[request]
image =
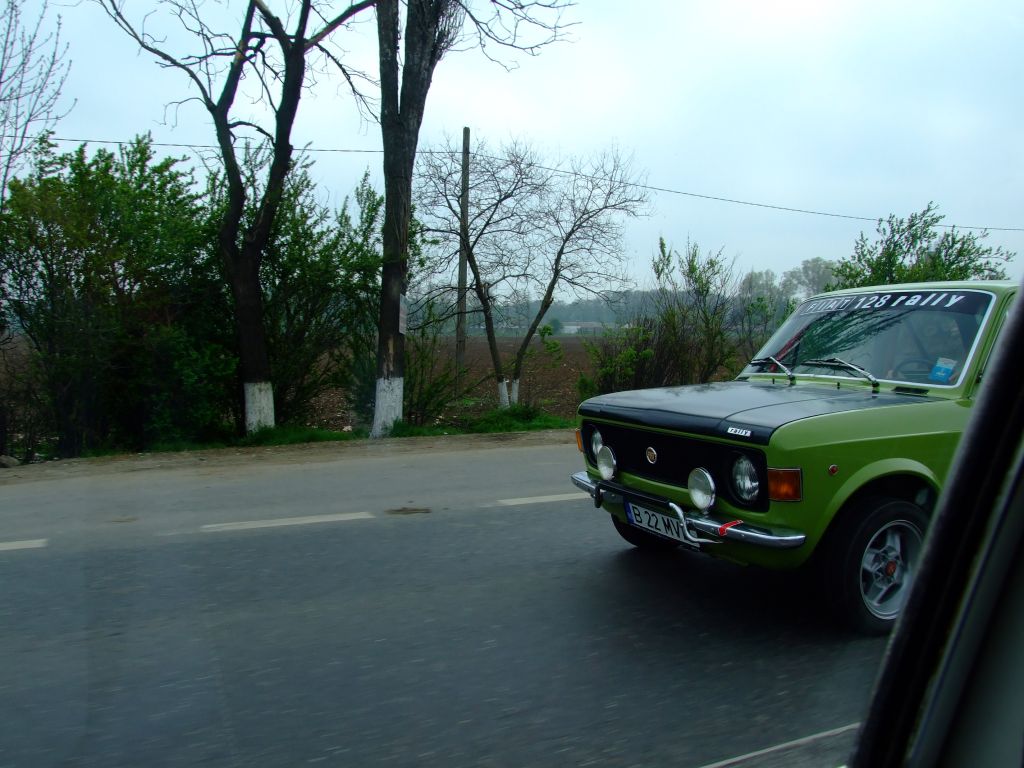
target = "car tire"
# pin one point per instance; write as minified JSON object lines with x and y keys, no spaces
{"x":642,"y":539}
{"x":871,"y":558}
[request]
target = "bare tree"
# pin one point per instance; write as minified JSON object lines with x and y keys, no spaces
{"x":811,"y":277}
{"x":432,"y":28}
{"x":503,"y":192}
{"x":534,"y":230}
{"x":33,"y":68}
{"x":277,"y":58}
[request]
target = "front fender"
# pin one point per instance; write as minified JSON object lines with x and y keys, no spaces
{"x":875,"y":471}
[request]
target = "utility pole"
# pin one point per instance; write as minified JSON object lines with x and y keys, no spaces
{"x":460,"y":318}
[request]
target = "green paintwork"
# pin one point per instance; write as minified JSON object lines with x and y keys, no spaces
{"x":908,"y":447}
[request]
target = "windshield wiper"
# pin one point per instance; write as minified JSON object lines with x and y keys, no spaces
{"x":835,"y":362}
{"x":765,"y":360}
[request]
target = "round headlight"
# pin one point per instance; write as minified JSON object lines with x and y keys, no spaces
{"x":745,"y":482}
{"x":596,"y":442}
{"x":702,"y":488}
{"x":606,"y":463}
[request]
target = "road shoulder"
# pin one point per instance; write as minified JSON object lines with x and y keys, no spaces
{"x":281,"y":454}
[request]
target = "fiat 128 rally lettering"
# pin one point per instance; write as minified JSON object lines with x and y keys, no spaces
{"x":829,"y":450}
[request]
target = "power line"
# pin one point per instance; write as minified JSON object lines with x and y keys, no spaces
{"x":769,"y":206}
{"x":204,"y":146}
{"x":651,"y":188}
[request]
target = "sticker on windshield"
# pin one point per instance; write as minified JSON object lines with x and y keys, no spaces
{"x":939,"y":300}
{"x":942,"y":372}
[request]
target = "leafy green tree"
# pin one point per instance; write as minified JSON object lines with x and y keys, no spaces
{"x":430,"y":373}
{"x":106,"y":272}
{"x":695,"y":294}
{"x":914,"y":250}
{"x":625,"y":358}
{"x":275,"y":55}
{"x":687,"y":337}
{"x":321,"y":282}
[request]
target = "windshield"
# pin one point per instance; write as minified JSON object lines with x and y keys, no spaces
{"x":918,"y":337}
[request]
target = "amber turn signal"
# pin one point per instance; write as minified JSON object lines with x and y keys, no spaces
{"x":579,"y":440}
{"x":785,"y":485}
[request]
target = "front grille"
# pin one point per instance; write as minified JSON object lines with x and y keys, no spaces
{"x":676,"y":456}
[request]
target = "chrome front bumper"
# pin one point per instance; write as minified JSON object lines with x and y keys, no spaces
{"x":699,"y":529}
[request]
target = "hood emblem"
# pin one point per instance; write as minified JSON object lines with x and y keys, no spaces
{"x":739,"y":431}
{"x":652,"y":456}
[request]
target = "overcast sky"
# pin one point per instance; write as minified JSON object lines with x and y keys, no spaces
{"x":855,"y":107}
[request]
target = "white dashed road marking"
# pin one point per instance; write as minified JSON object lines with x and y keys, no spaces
{"x":539,"y":499}
{"x":6,"y":546}
{"x":280,"y":522}
{"x":780,"y":747}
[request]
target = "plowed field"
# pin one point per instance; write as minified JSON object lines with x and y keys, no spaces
{"x":548,"y":383}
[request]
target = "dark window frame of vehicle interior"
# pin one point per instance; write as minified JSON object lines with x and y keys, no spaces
{"x":949,"y":691}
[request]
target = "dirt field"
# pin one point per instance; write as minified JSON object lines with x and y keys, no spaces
{"x":547,"y":383}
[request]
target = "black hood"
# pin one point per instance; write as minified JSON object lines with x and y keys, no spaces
{"x":744,"y":407}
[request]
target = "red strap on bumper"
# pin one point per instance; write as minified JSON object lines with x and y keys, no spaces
{"x":723,"y":528}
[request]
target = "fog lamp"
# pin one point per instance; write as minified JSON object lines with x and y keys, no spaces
{"x":606,"y":463}
{"x":701,"y":488}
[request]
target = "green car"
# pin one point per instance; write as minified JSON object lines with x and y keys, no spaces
{"x":829,"y":449}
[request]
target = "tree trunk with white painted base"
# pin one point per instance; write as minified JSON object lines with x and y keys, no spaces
{"x":431,"y":28}
{"x":272,"y":58}
{"x":253,"y":355}
{"x":514,"y":394}
{"x":388,"y":407}
{"x":503,"y":394}
{"x":259,"y":405}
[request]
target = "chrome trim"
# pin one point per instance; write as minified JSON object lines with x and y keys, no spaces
{"x":693,"y":522}
{"x":583,"y":482}
{"x":689,"y":535}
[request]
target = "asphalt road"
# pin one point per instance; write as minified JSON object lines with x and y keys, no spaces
{"x":429,"y":603}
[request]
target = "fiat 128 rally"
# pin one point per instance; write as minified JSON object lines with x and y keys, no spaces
{"x":828,"y":450}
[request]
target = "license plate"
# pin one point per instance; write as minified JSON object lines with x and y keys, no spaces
{"x":655,"y":522}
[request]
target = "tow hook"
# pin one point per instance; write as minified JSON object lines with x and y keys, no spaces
{"x":684,"y":526}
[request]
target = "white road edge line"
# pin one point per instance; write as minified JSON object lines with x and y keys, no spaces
{"x":280,"y":522}
{"x":779,"y":747}
{"x":539,"y":499}
{"x":6,"y":546}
